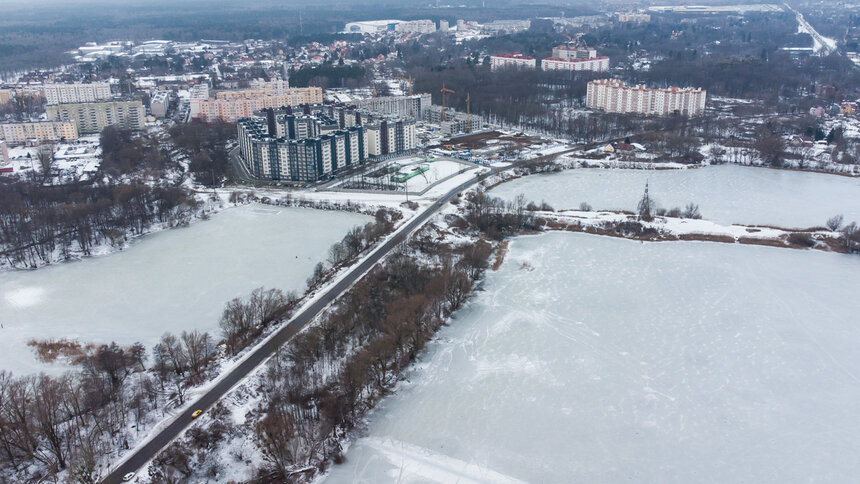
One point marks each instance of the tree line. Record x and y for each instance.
(40, 224)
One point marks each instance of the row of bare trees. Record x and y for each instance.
(50, 424)
(332, 374)
(38, 222)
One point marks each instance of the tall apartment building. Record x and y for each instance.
(94, 117)
(405, 106)
(158, 103)
(512, 61)
(569, 57)
(4, 153)
(76, 92)
(233, 105)
(42, 131)
(6, 95)
(389, 135)
(310, 143)
(296, 158)
(613, 96)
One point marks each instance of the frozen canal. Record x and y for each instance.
(725, 194)
(170, 281)
(591, 359)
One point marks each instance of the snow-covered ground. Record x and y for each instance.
(81, 157)
(173, 280)
(726, 194)
(592, 359)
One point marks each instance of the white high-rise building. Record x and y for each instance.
(575, 58)
(613, 96)
(76, 93)
(512, 61)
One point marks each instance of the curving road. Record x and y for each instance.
(234, 376)
(177, 424)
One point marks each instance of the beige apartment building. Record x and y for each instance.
(42, 131)
(613, 96)
(76, 92)
(94, 117)
(233, 105)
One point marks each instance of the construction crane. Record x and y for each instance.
(444, 91)
(468, 112)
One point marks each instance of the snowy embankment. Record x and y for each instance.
(627, 225)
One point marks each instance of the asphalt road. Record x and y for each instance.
(182, 421)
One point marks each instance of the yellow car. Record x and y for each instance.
(196, 413)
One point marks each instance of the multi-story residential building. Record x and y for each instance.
(310, 143)
(405, 106)
(569, 57)
(613, 96)
(94, 117)
(233, 105)
(6, 95)
(4, 153)
(639, 18)
(512, 61)
(455, 122)
(76, 92)
(390, 135)
(294, 158)
(158, 103)
(41, 131)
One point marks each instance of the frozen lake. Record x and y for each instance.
(169, 281)
(725, 194)
(616, 361)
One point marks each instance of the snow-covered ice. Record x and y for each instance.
(725, 194)
(595, 359)
(169, 281)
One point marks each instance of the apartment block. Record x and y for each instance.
(94, 117)
(513, 60)
(4, 153)
(76, 92)
(158, 103)
(455, 122)
(42, 131)
(404, 106)
(233, 105)
(613, 96)
(297, 159)
(568, 57)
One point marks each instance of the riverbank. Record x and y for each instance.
(662, 229)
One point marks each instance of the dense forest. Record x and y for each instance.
(39, 37)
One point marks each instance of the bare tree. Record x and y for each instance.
(645, 208)
(833, 223)
(199, 348)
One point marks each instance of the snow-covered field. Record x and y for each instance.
(725, 194)
(170, 281)
(593, 359)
